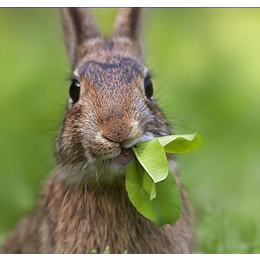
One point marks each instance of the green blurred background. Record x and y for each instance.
(206, 66)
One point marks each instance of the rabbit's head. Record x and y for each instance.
(111, 105)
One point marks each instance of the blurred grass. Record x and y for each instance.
(206, 66)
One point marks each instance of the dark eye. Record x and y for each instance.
(75, 91)
(148, 87)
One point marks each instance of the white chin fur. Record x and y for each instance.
(144, 137)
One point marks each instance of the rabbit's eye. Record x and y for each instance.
(148, 87)
(75, 91)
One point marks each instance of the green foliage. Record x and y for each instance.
(162, 208)
(152, 157)
(150, 186)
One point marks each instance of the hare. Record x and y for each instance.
(84, 205)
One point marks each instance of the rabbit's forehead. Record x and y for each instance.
(111, 71)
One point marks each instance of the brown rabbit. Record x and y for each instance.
(84, 205)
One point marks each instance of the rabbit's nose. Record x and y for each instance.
(116, 130)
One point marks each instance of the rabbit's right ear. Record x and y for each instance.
(78, 27)
(127, 25)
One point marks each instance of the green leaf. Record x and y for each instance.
(165, 207)
(151, 188)
(106, 251)
(179, 143)
(152, 157)
(149, 185)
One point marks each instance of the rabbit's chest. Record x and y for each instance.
(87, 221)
(83, 219)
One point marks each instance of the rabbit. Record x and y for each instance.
(84, 205)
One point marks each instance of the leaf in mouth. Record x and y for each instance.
(151, 187)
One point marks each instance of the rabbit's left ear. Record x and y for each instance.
(127, 24)
(79, 27)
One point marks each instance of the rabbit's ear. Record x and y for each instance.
(128, 23)
(78, 27)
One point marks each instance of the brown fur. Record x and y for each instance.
(84, 205)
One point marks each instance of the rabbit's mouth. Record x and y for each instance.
(124, 158)
(126, 155)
